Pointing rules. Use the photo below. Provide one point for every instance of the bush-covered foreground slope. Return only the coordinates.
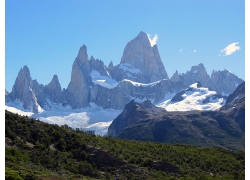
(36, 150)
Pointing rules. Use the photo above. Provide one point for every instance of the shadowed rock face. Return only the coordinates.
(139, 53)
(237, 95)
(132, 113)
(54, 90)
(222, 82)
(198, 128)
(23, 90)
(235, 106)
(78, 91)
(7, 98)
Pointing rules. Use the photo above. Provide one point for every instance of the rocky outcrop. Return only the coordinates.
(132, 113)
(235, 106)
(197, 73)
(32, 94)
(23, 91)
(237, 95)
(7, 98)
(140, 62)
(99, 66)
(54, 91)
(78, 91)
(175, 76)
(118, 97)
(224, 82)
(38, 90)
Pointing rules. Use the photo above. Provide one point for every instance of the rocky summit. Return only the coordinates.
(140, 62)
(140, 75)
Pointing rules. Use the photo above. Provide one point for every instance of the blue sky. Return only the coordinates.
(46, 35)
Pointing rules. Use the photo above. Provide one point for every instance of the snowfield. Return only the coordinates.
(194, 100)
(92, 118)
(97, 119)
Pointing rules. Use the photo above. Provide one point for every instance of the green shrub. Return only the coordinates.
(12, 175)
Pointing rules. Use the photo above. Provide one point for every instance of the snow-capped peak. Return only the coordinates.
(195, 98)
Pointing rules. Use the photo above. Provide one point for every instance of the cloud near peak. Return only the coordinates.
(153, 41)
(230, 49)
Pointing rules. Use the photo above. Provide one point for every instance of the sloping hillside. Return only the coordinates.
(37, 150)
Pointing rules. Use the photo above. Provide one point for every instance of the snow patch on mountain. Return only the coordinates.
(137, 84)
(128, 68)
(195, 98)
(17, 107)
(104, 81)
(93, 118)
(166, 101)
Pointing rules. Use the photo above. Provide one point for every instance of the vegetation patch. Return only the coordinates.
(37, 150)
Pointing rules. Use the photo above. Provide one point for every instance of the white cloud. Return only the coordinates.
(180, 50)
(230, 49)
(153, 41)
(195, 51)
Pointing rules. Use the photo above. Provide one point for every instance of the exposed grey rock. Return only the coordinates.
(235, 106)
(197, 73)
(110, 66)
(22, 90)
(99, 66)
(127, 117)
(7, 98)
(178, 96)
(238, 94)
(53, 91)
(224, 81)
(38, 90)
(78, 91)
(143, 60)
(119, 96)
(175, 76)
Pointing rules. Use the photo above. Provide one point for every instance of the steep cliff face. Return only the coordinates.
(235, 106)
(197, 73)
(78, 91)
(54, 91)
(140, 76)
(7, 98)
(224, 81)
(23, 91)
(140, 62)
(126, 90)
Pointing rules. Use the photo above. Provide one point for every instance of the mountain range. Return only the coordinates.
(224, 127)
(140, 75)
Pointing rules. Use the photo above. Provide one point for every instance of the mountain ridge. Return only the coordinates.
(140, 75)
(224, 127)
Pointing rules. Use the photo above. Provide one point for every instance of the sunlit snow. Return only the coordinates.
(193, 100)
(92, 118)
(128, 68)
(104, 81)
(98, 119)
(137, 84)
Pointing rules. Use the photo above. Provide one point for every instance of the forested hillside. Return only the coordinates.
(36, 150)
